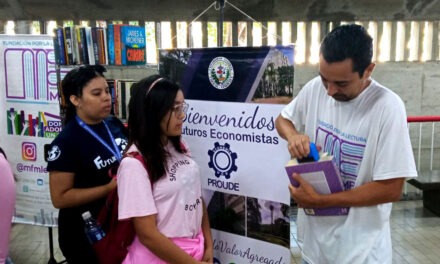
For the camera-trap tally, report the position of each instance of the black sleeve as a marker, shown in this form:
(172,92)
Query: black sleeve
(62,154)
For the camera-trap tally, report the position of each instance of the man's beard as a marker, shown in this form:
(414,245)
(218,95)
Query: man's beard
(341,97)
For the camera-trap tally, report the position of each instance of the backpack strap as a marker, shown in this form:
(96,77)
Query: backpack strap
(184,148)
(138,156)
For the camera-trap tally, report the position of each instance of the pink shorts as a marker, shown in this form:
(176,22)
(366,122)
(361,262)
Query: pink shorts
(138,253)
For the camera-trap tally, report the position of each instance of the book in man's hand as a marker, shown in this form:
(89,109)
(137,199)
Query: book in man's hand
(324,176)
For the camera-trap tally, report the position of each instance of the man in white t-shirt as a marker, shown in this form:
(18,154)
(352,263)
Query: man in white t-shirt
(363,125)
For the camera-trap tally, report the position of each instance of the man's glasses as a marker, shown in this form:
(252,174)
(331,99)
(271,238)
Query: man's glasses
(179,109)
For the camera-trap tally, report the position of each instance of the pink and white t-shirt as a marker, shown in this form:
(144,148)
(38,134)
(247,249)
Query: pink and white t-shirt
(176,198)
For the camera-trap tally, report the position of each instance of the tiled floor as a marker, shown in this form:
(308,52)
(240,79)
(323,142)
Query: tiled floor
(415,233)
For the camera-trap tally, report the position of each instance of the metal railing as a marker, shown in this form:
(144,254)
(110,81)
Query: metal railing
(423,135)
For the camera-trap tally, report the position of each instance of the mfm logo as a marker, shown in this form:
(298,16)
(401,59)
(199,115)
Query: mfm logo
(29,151)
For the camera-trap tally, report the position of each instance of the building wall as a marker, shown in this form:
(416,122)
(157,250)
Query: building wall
(418,84)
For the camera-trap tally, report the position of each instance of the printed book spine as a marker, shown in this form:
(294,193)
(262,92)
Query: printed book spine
(105,46)
(117,43)
(62,52)
(122,95)
(101,46)
(111,87)
(90,49)
(56,49)
(111,44)
(75,45)
(84,51)
(128,86)
(95,41)
(69,45)
(123,45)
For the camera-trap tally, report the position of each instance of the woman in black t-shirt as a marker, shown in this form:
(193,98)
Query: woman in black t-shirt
(80,156)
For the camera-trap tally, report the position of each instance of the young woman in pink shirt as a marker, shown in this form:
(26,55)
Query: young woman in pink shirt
(164,199)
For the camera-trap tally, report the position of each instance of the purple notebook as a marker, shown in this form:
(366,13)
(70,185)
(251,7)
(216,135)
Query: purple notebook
(324,176)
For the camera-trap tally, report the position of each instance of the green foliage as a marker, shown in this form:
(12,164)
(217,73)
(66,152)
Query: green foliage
(214,76)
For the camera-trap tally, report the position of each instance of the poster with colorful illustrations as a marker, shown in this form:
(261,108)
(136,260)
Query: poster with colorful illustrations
(29,119)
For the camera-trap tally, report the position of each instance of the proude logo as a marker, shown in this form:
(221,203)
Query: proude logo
(29,151)
(222,160)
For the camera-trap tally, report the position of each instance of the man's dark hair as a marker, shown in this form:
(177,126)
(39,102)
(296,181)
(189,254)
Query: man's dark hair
(348,42)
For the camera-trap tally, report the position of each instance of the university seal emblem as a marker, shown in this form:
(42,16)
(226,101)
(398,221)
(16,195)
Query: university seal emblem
(221,73)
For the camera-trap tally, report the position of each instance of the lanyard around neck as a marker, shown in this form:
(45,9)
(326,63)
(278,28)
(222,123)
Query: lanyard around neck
(115,150)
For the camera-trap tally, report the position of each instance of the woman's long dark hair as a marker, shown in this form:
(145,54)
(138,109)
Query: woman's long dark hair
(73,84)
(146,109)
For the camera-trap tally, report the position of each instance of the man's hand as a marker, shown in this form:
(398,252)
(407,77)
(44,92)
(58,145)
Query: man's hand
(304,194)
(298,146)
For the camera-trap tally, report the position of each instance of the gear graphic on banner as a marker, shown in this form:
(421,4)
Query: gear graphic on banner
(222,160)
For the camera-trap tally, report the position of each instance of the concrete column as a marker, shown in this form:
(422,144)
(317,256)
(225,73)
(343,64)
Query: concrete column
(173,25)
(249,38)
(379,39)
(220,34)
(157,33)
(393,40)
(293,31)
(42,24)
(435,47)
(308,41)
(204,34)
(360,23)
(325,29)
(23,27)
(189,36)
(2,26)
(420,42)
(234,33)
(407,38)
(279,32)
(264,33)
(336,23)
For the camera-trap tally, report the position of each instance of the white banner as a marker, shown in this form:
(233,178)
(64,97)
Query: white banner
(242,158)
(30,119)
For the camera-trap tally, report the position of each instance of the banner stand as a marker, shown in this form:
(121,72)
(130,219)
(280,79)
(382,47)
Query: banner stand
(52,259)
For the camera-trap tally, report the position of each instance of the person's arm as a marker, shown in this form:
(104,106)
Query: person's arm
(298,144)
(63,194)
(372,193)
(156,242)
(208,255)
